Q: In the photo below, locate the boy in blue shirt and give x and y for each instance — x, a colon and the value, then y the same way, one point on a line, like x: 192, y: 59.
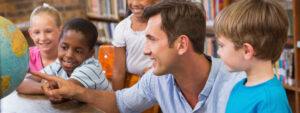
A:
x: 252, y: 35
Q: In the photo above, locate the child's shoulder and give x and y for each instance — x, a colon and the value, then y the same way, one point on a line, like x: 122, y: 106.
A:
x: 125, y: 23
x: 90, y: 62
x: 34, y: 49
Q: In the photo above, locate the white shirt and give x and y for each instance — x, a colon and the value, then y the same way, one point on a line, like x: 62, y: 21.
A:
x: 134, y: 42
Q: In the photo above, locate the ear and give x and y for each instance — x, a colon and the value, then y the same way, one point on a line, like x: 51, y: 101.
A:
x: 182, y: 44
x: 91, y: 53
x: 30, y: 33
x: 248, y: 51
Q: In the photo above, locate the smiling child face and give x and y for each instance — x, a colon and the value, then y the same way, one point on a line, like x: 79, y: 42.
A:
x: 73, y: 50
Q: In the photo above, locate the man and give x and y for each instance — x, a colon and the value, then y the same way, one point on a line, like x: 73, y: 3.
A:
x: 182, y: 80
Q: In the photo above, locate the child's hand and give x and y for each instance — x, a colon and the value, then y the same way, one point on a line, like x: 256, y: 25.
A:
x: 58, y: 88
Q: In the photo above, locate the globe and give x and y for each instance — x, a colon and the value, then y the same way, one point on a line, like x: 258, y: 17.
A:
x: 14, y: 58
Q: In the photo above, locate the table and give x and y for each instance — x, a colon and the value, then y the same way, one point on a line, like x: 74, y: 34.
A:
x: 20, y: 103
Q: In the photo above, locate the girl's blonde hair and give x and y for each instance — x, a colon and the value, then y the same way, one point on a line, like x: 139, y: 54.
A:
x: 45, y: 8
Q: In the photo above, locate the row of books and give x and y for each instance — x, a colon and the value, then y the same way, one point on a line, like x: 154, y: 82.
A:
x: 211, y: 47
x: 110, y: 9
x: 105, y: 31
x: 288, y: 6
x: 284, y: 67
x: 212, y: 7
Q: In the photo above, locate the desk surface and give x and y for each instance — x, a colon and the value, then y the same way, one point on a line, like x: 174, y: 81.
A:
x: 19, y: 103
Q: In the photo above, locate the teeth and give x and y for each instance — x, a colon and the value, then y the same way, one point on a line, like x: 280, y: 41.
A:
x: 137, y: 10
x: 69, y: 64
x: 43, y: 43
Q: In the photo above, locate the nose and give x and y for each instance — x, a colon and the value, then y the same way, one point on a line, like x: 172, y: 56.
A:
x: 146, y: 49
x: 135, y: 2
x: 43, y: 36
x: 69, y: 53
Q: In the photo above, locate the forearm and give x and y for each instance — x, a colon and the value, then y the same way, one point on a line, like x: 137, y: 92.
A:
x: 29, y: 86
x: 119, y: 70
x: 104, y: 100
x: 118, y: 81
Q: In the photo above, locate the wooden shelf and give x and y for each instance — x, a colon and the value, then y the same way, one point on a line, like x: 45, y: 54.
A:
x: 290, y: 41
x: 97, y: 18
x: 295, y: 102
x: 291, y: 88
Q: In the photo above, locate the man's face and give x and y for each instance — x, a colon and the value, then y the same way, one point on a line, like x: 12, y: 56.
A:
x: 157, y: 47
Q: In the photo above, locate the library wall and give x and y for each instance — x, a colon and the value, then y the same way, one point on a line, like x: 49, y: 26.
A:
x: 18, y: 11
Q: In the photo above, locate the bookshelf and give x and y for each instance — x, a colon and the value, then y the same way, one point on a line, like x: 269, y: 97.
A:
x: 293, y: 89
x: 105, y: 14
x: 294, y: 96
x: 212, y: 8
x: 293, y: 44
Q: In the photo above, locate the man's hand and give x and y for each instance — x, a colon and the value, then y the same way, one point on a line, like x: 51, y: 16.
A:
x: 47, y: 87
x: 57, y: 88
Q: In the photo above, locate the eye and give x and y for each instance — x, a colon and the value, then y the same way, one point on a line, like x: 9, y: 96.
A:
x: 64, y: 47
x: 36, y: 32
x: 151, y: 38
x: 48, y: 31
x: 79, y: 51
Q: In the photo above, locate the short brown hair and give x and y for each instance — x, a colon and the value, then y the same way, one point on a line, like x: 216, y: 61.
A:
x: 181, y: 18
x: 261, y: 23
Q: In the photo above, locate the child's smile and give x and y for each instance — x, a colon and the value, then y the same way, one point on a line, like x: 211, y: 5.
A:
x: 73, y: 50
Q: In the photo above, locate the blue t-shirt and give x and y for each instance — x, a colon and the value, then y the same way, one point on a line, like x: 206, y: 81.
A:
x: 163, y: 90
x: 267, y: 97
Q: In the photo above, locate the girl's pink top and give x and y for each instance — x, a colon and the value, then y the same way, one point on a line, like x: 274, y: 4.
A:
x: 35, y: 63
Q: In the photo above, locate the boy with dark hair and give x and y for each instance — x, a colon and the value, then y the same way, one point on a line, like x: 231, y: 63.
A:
x: 75, y: 62
x: 252, y: 35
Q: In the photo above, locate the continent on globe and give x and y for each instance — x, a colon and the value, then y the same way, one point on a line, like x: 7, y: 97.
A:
x: 17, y: 43
x: 4, y: 83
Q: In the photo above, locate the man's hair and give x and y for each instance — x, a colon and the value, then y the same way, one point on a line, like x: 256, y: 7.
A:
x: 45, y: 8
x: 83, y: 26
x: 181, y: 18
x: 261, y: 23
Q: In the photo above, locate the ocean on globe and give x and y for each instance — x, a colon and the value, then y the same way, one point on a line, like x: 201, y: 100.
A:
x: 14, y: 58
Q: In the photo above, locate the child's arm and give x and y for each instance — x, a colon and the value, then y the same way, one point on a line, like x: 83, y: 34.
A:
x: 119, y: 69
x: 75, y: 82
x: 30, y: 86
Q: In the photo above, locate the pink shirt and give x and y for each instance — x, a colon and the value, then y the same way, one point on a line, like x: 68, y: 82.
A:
x: 35, y: 61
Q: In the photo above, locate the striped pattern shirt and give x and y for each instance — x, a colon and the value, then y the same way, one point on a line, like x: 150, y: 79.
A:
x: 89, y: 74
